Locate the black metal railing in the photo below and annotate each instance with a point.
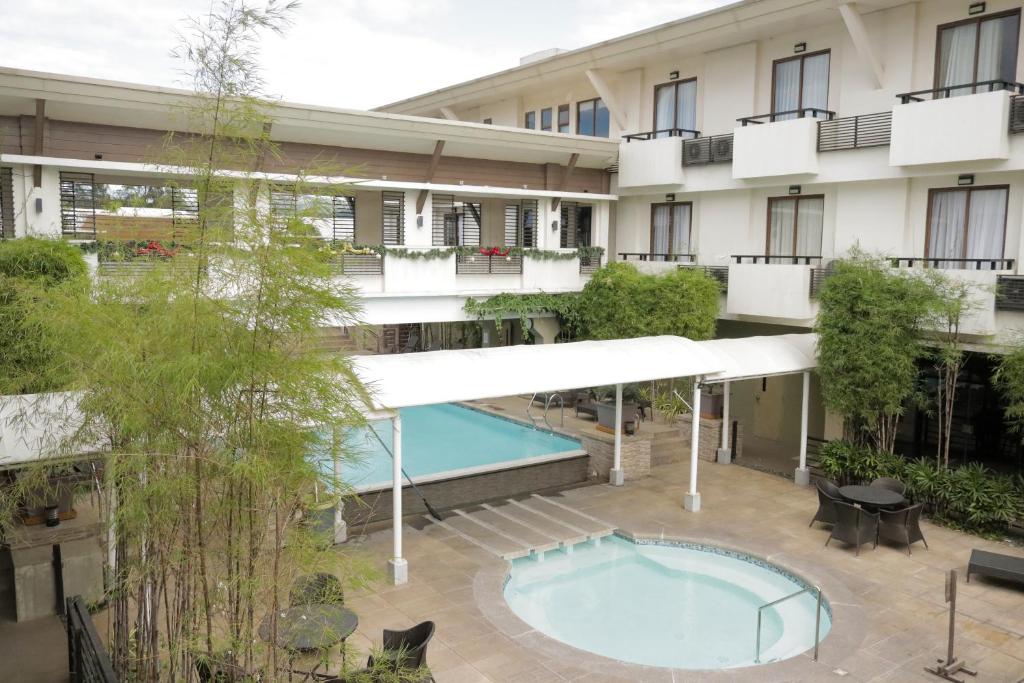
(589, 264)
(710, 150)
(88, 661)
(950, 90)
(1016, 114)
(855, 132)
(952, 263)
(720, 273)
(646, 256)
(805, 260)
(1010, 293)
(488, 264)
(662, 133)
(805, 112)
(360, 264)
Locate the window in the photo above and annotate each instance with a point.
(966, 223)
(563, 119)
(675, 108)
(576, 223)
(794, 226)
(456, 222)
(78, 205)
(977, 50)
(392, 217)
(530, 120)
(670, 229)
(592, 118)
(800, 83)
(545, 119)
(6, 203)
(521, 223)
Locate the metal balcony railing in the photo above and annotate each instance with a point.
(1016, 114)
(645, 256)
(805, 260)
(1010, 293)
(361, 264)
(720, 273)
(662, 133)
(488, 264)
(952, 263)
(805, 112)
(951, 90)
(818, 277)
(855, 132)
(589, 264)
(710, 150)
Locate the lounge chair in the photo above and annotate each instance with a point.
(902, 525)
(996, 565)
(854, 525)
(828, 496)
(317, 589)
(403, 651)
(890, 484)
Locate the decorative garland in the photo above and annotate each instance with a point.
(522, 306)
(131, 250)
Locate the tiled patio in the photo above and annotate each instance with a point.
(890, 623)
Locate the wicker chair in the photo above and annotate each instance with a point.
(902, 525)
(890, 484)
(854, 525)
(316, 589)
(828, 495)
(404, 653)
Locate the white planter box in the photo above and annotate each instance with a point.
(966, 128)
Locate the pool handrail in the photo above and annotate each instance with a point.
(561, 407)
(817, 620)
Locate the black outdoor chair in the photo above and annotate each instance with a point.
(854, 525)
(890, 484)
(403, 651)
(316, 589)
(828, 496)
(902, 525)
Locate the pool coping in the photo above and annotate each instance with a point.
(849, 623)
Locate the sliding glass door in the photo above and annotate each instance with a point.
(967, 223)
(675, 109)
(975, 51)
(794, 227)
(670, 230)
(800, 83)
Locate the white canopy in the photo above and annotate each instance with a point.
(750, 357)
(414, 379)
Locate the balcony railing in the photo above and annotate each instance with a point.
(855, 132)
(710, 150)
(645, 256)
(1016, 114)
(720, 273)
(589, 264)
(805, 112)
(949, 90)
(488, 264)
(361, 264)
(1010, 293)
(953, 263)
(663, 133)
(805, 260)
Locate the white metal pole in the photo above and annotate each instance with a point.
(802, 476)
(615, 477)
(691, 501)
(399, 568)
(724, 456)
(340, 526)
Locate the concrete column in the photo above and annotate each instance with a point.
(340, 525)
(398, 568)
(724, 454)
(802, 476)
(691, 500)
(615, 477)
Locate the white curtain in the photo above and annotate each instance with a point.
(681, 229)
(686, 107)
(809, 218)
(664, 108)
(816, 82)
(659, 229)
(986, 224)
(946, 231)
(787, 88)
(997, 43)
(956, 57)
(782, 217)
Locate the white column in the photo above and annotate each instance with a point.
(340, 525)
(398, 568)
(691, 500)
(615, 477)
(724, 455)
(802, 476)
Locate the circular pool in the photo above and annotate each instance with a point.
(661, 603)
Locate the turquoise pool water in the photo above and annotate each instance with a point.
(446, 438)
(661, 605)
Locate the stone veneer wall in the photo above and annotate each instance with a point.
(636, 454)
(710, 437)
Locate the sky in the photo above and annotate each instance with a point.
(355, 54)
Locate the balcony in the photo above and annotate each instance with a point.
(931, 127)
(855, 132)
(647, 160)
(772, 287)
(768, 145)
(656, 264)
(488, 264)
(983, 275)
(711, 150)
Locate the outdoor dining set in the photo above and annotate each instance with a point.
(865, 514)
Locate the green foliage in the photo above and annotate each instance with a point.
(619, 302)
(850, 463)
(30, 267)
(1008, 377)
(869, 328)
(505, 305)
(445, 252)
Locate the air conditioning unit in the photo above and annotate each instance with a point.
(723, 147)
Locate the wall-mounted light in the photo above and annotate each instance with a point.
(673, 75)
(39, 204)
(670, 198)
(794, 189)
(799, 47)
(554, 226)
(419, 221)
(97, 156)
(976, 8)
(966, 179)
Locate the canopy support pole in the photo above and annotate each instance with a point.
(615, 476)
(340, 525)
(724, 454)
(398, 567)
(691, 500)
(802, 476)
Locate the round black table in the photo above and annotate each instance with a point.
(871, 496)
(311, 627)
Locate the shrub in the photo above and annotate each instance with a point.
(849, 463)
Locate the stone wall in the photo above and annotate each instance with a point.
(710, 437)
(636, 454)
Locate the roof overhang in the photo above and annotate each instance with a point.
(756, 357)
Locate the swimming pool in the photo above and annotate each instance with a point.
(448, 440)
(680, 605)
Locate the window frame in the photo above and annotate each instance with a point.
(977, 43)
(675, 101)
(932, 191)
(796, 225)
(546, 110)
(568, 119)
(593, 116)
(801, 57)
(530, 119)
(671, 225)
